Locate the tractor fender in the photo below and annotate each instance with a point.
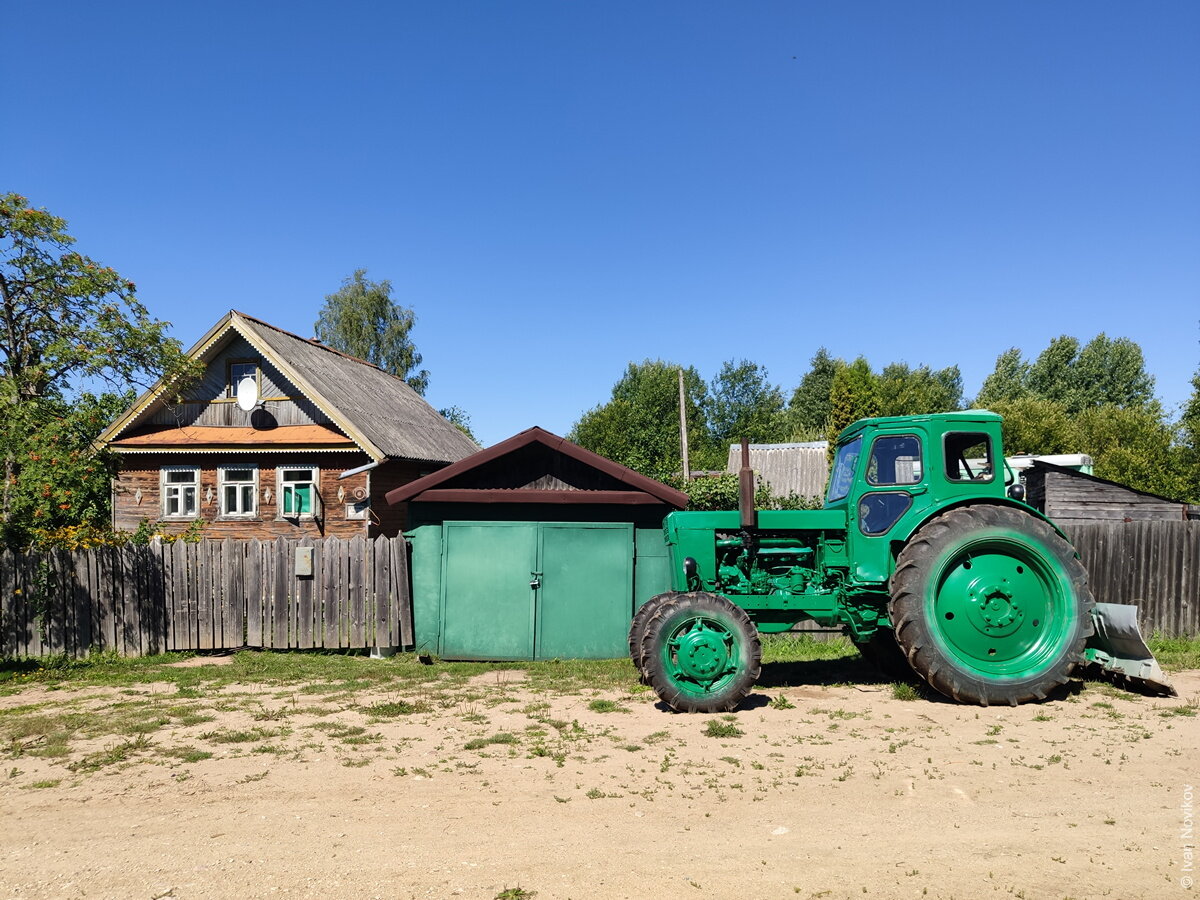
(899, 543)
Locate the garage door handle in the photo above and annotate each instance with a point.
(537, 580)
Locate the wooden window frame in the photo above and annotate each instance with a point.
(222, 483)
(231, 385)
(165, 488)
(280, 485)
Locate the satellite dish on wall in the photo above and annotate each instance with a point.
(247, 393)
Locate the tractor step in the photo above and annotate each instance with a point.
(1118, 652)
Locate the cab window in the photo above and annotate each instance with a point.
(969, 456)
(843, 470)
(895, 459)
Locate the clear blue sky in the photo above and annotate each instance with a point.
(559, 188)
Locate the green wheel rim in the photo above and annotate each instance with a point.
(701, 655)
(1001, 607)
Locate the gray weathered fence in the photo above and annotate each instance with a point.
(207, 596)
(1153, 564)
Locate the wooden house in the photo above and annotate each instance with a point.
(1066, 495)
(329, 436)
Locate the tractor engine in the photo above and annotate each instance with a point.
(753, 563)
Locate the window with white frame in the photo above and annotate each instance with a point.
(298, 492)
(180, 492)
(239, 490)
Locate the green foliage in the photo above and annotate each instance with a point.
(717, 492)
(65, 322)
(1104, 372)
(1009, 380)
(639, 426)
(457, 416)
(809, 407)
(744, 404)
(361, 319)
(908, 392)
(1189, 437)
(853, 396)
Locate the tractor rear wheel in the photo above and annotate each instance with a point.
(990, 605)
(701, 653)
(637, 630)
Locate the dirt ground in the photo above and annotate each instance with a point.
(829, 792)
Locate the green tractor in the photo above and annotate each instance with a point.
(924, 554)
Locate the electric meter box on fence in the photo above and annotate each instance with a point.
(304, 562)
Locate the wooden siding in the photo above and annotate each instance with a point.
(142, 472)
(1066, 497)
(1154, 565)
(214, 595)
(227, 413)
(388, 519)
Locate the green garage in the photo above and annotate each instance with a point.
(533, 549)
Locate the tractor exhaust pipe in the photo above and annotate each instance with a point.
(746, 489)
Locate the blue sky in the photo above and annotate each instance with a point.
(559, 188)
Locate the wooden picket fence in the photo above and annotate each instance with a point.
(1154, 565)
(211, 595)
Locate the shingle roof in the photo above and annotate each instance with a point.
(380, 412)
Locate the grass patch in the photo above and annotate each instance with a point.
(500, 737)
(718, 729)
(248, 736)
(396, 708)
(902, 690)
(187, 754)
(606, 706)
(110, 755)
(1176, 654)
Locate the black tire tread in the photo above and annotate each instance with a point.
(702, 601)
(907, 603)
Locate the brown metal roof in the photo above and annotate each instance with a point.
(202, 438)
(453, 484)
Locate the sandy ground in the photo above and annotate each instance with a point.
(839, 792)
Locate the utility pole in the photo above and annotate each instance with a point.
(683, 447)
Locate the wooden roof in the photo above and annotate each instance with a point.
(380, 413)
(536, 466)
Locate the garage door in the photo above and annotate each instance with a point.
(536, 590)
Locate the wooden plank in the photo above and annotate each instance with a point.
(343, 592)
(253, 587)
(329, 593)
(356, 591)
(81, 625)
(405, 636)
(8, 604)
(33, 593)
(280, 606)
(303, 586)
(106, 631)
(379, 556)
(232, 596)
(158, 595)
(200, 601)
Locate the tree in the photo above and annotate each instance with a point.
(1036, 426)
(1112, 372)
(639, 426)
(745, 404)
(909, 392)
(457, 416)
(65, 322)
(1189, 442)
(361, 319)
(809, 407)
(1009, 380)
(853, 396)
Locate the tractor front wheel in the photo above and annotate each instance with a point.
(637, 630)
(990, 605)
(700, 652)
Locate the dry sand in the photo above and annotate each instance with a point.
(848, 793)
